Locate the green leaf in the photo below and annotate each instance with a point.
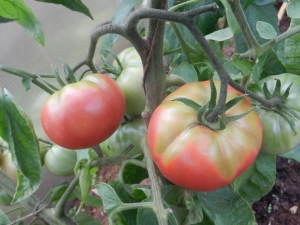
(17, 9)
(126, 196)
(266, 65)
(220, 35)
(26, 83)
(119, 17)
(172, 194)
(186, 71)
(84, 183)
(146, 216)
(293, 154)
(109, 197)
(58, 191)
(266, 30)
(258, 179)
(6, 20)
(84, 219)
(68, 72)
(133, 174)
(254, 13)
(243, 65)
(3, 218)
(293, 9)
(224, 206)
(188, 102)
(17, 130)
(74, 5)
(90, 200)
(292, 50)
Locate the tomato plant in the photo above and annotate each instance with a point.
(60, 161)
(200, 141)
(193, 156)
(127, 134)
(131, 80)
(85, 113)
(279, 135)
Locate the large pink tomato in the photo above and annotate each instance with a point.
(194, 156)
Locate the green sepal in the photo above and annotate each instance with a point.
(213, 94)
(266, 91)
(289, 111)
(233, 102)
(57, 77)
(189, 103)
(201, 112)
(68, 72)
(229, 119)
(289, 119)
(277, 88)
(286, 93)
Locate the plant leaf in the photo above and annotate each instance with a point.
(292, 50)
(220, 35)
(255, 13)
(293, 9)
(266, 65)
(109, 197)
(74, 5)
(266, 30)
(6, 20)
(258, 179)
(119, 17)
(84, 219)
(23, 146)
(223, 206)
(3, 218)
(18, 10)
(245, 66)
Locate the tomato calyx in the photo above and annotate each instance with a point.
(279, 99)
(204, 111)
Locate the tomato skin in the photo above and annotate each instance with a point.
(130, 133)
(278, 134)
(131, 81)
(193, 156)
(85, 113)
(60, 161)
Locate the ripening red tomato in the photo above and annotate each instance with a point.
(194, 156)
(85, 113)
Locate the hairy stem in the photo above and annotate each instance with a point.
(160, 211)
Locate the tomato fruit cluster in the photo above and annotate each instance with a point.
(193, 156)
(85, 113)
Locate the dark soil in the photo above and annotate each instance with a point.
(280, 205)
